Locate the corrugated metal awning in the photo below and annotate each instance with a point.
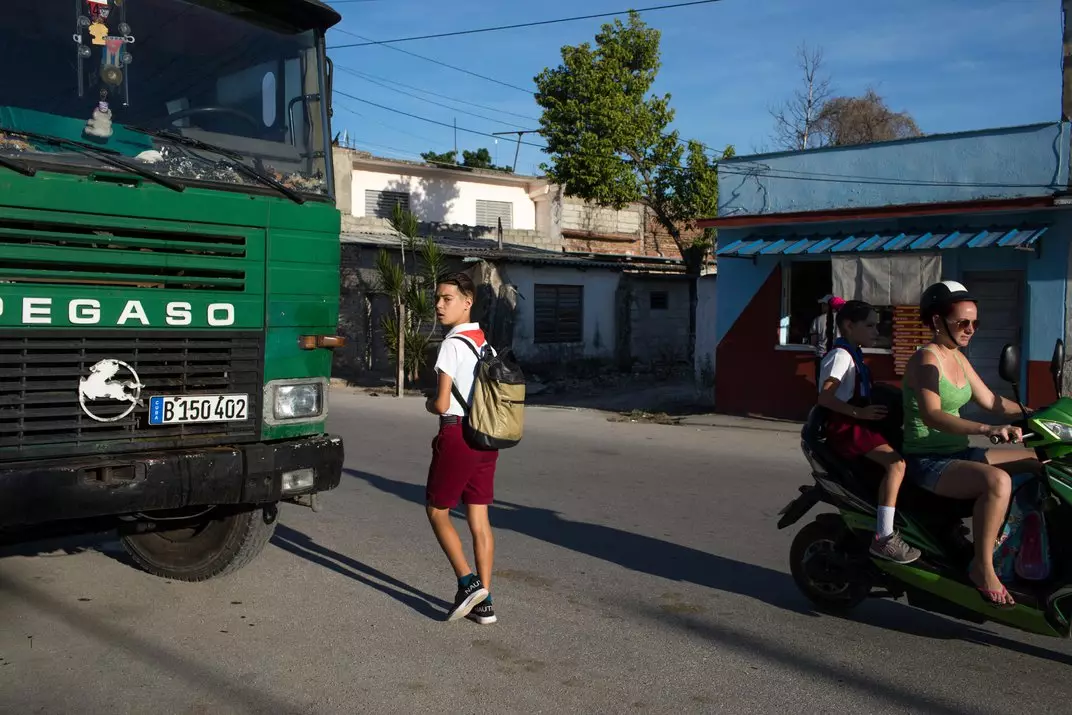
(870, 242)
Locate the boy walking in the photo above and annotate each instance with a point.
(459, 472)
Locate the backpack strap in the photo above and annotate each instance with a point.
(453, 384)
(468, 344)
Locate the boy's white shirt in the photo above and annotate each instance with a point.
(839, 365)
(459, 363)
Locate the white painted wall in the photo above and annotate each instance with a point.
(599, 313)
(443, 198)
(706, 337)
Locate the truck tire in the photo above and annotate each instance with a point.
(206, 548)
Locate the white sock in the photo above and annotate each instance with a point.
(885, 521)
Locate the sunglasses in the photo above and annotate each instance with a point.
(963, 324)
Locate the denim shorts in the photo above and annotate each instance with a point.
(926, 469)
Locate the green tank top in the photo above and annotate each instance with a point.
(921, 439)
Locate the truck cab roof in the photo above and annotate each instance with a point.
(302, 14)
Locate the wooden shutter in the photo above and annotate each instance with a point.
(488, 213)
(381, 204)
(559, 314)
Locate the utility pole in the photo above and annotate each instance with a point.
(520, 134)
(455, 139)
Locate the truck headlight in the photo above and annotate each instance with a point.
(295, 401)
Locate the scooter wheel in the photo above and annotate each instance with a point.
(817, 561)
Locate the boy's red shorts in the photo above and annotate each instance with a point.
(459, 472)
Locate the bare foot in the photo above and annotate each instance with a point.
(991, 587)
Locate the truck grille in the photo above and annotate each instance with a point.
(40, 371)
(53, 253)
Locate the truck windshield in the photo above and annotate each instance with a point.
(211, 70)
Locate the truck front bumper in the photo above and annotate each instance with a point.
(33, 493)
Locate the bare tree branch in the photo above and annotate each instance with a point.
(794, 121)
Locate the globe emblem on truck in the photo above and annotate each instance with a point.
(106, 384)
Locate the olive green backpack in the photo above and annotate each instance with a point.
(495, 411)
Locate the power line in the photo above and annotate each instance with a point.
(367, 75)
(483, 77)
(464, 129)
(428, 140)
(441, 64)
(732, 170)
(426, 119)
(877, 181)
(524, 24)
(486, 78)
(423, 99)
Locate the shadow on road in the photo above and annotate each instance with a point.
(199, 677)
(297, 543)
(892, 616)
(681, 563)
(632, 551)
(106, 543)
(827, 670)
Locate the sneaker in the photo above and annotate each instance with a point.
(466, 598)
(483, 614)
(894, 548)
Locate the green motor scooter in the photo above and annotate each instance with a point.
(829, 557)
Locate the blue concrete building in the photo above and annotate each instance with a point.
(880, 222)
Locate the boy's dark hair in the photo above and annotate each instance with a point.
(854, 311)
(462, 282)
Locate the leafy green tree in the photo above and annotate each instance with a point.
(447, 157)
(411, 286)
(608, 142)
(479, 159)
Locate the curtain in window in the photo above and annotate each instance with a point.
(885, 280)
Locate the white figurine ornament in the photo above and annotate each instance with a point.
(100, 125)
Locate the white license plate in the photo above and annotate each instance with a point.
(196, 409)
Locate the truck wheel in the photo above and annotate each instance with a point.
(816, 560)
(214, 545)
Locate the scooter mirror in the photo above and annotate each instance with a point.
(1009, 364)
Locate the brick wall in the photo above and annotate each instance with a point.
(591, 229)
(659, 332)
(578, 215)
(658, 242)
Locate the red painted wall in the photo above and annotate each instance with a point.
(1040, 390)
(753, 378)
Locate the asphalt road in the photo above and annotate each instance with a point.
(638, 570)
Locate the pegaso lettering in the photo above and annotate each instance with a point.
(87, 311)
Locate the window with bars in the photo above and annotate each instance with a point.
(559, 311)
(381, 204)
(488, 213)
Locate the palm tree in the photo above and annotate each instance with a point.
(411, 286)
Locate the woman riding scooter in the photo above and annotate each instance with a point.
(938, 382)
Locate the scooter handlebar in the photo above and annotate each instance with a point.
(996, 439)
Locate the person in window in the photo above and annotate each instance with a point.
(852, 426)
(938, 382)
(823, 330)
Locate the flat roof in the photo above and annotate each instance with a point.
(891, 142)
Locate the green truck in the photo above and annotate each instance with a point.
(169, 274)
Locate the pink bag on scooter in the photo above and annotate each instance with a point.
(1033, 557)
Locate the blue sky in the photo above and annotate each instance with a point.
(955, 65)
